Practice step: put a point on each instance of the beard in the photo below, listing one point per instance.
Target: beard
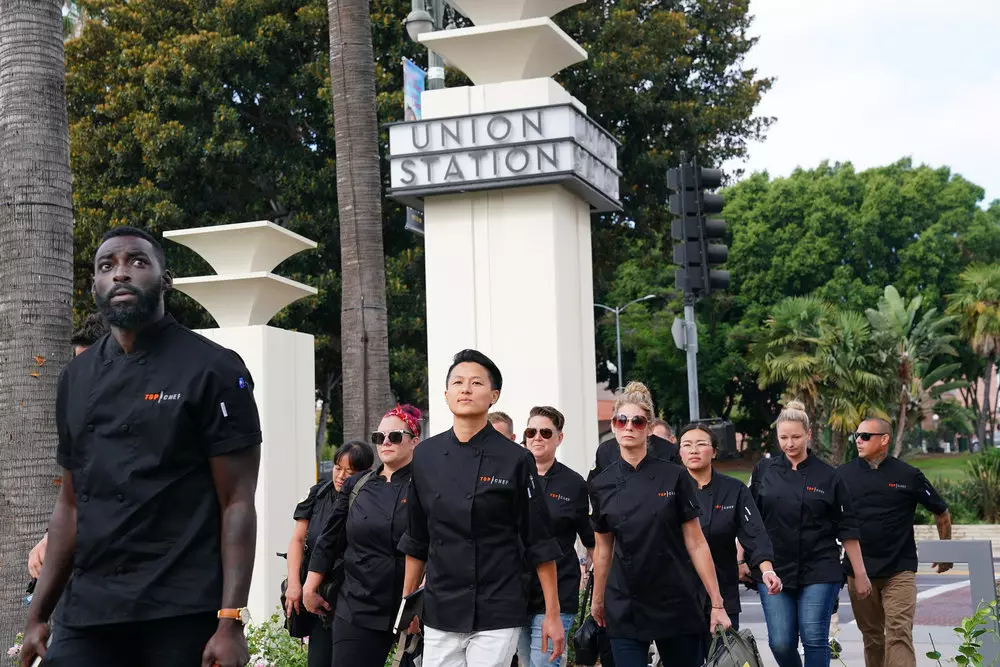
(132, 315)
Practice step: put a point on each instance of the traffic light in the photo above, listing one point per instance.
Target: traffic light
(698, 249)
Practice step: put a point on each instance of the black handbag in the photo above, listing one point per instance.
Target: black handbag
(297, 623)
(587, 638)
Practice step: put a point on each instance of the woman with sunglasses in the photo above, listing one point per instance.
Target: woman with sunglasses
(565, 493)
(311, 516)
(367, 522)
(806, 508)
(651, 552)
(728, 517)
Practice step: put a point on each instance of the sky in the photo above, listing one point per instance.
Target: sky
(872, 81)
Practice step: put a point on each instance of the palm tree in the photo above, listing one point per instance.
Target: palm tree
(976, 304)
(909, 345)
(36, 280)
(364, 322)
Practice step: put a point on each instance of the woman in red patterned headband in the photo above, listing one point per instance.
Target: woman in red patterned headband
(398, 433)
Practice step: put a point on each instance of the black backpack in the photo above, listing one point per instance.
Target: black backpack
(737, 649)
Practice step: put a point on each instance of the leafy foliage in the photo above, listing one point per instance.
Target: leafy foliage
(271, 646)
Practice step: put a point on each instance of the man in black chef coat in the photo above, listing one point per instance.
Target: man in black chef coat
(159, 440)
(885, 492)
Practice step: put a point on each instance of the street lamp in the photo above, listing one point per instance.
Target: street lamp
(419, 21)
(618, 327)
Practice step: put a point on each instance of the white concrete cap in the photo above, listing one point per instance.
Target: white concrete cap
(484, 12)
(528, 49)
(243, 300)
(245, 247)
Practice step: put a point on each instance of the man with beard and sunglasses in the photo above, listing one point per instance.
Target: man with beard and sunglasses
(886, 492)
(159, 439)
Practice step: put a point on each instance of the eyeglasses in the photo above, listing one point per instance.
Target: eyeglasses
(546, 433)
(395, 437)
(695, 445)
(866, 436)
(621, 421)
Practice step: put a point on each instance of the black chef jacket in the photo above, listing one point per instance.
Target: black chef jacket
(569, 508)
(653, 590)
(137, 431)
(473, 507)
(885, 499)
(608, 452)
(317, 509)
(366, 536)
(727, 513)
(805, 512)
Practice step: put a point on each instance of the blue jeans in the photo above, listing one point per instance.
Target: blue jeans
(529, 646)
(679, 651)
(803, 613)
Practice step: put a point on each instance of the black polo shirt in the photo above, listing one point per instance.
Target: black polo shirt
(366, 536)
(653, 590)
(805, 512)
(569, 508)
(137, 432)
(317, 509)
(885, 499)
(476, 509)
(608, 452)
(728, 513)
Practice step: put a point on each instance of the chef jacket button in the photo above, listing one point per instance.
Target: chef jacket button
(468, 496)
(437, 495)
(78, 571)
(121, 497)
(470, 540)
(85, 497)
(125, 428)
(142, 362)
(472, 587)
(107, 362)
(90, 427)
(118, 570)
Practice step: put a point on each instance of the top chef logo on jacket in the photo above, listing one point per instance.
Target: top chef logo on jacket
(724, 508)
(560, 497)
(159, 397)
(815, 490)
(666, 494)
(897, 485)
(488, 479)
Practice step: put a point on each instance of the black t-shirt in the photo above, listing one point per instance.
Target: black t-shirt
(137, 432)
(475, 510)
(885, 499)
(608, 452)
(653, 590)
(727, 513)
(317, 509)
(569, 507)
(805, 512)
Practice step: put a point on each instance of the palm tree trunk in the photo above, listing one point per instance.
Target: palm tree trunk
(36, 281)
(897, 448)
(364, 322)
(986, 416)
(838, 445)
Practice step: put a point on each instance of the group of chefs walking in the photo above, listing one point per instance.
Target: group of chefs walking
(489, 528)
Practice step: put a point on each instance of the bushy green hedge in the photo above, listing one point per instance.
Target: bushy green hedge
(974, 499)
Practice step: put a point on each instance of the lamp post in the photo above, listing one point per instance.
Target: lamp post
(419, 21)
(618, 327)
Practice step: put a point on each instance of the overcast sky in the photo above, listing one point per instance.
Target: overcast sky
(871, 81)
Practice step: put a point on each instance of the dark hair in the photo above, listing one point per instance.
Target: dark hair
(89, 332)
(135, 232)
(477, 357)
(704, 429)
(501, 417)
(359, 455)
(659, 422)
(549, 413)
(881, 422)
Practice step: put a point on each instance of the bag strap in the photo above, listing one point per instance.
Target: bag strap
(357, 489)
(588, 596)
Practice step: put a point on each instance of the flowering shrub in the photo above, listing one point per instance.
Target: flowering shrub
(14, 652)
(271, 646)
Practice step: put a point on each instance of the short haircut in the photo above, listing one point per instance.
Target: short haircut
(704, 429)
(359, 455)
(91, 331)
(498, 417)
(659, 422)
(477, 357)
(883, 424)
(550, 413)
(135, 232)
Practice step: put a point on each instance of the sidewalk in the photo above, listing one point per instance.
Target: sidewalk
(853, 654)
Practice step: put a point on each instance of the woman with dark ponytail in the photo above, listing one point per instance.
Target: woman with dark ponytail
(368, 521)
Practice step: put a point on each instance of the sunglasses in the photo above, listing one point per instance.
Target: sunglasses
(621, 421)
(529, 433)
(867, 436)
(394, 437)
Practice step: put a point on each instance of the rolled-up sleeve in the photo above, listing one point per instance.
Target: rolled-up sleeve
(416, 540)
(848, 527)
(331, 543)
(540, 545)
(750, 531)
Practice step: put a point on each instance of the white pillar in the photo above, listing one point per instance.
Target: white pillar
(242, 299)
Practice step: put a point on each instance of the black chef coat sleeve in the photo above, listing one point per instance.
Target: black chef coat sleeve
(928, 496)
(229, 419)
(582, 517)
(540, 545)
(304, 510)
(848, 526)
(750, 530)
(64, 449)
(688, 505)
(598, 519)
(332, 542)
(416, 541)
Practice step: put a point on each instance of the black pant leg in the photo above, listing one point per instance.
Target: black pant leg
(320, 643)
(86, 647)
(683, 650)
(359, 647)
(172, 642)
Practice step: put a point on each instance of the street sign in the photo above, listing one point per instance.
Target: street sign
(677, 329)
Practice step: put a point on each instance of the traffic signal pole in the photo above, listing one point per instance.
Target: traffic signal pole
(691, 348)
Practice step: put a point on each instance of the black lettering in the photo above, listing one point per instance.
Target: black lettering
(411, 176)
(455, 134)
(430, 162)
(478, 156)
(427, 136)
(505, 124)
(536, 126)
(552, 159)
(454, 171)
(521, 153)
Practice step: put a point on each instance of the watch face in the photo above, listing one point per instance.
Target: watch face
(245, 616)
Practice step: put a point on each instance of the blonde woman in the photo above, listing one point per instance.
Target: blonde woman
(651, 552)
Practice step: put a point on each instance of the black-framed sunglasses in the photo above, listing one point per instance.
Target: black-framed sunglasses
(546, 433)
(638, 421)
(860, 435)
(395, 437)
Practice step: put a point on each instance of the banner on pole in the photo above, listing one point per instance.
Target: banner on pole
(414, 82)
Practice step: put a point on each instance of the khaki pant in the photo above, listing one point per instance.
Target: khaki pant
(886, 620)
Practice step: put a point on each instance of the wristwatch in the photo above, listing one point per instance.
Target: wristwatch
(241, 615)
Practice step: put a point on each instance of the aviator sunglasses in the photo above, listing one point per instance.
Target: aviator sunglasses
(395, 437)
(621, 421)
(529, 433)
(860, 435)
